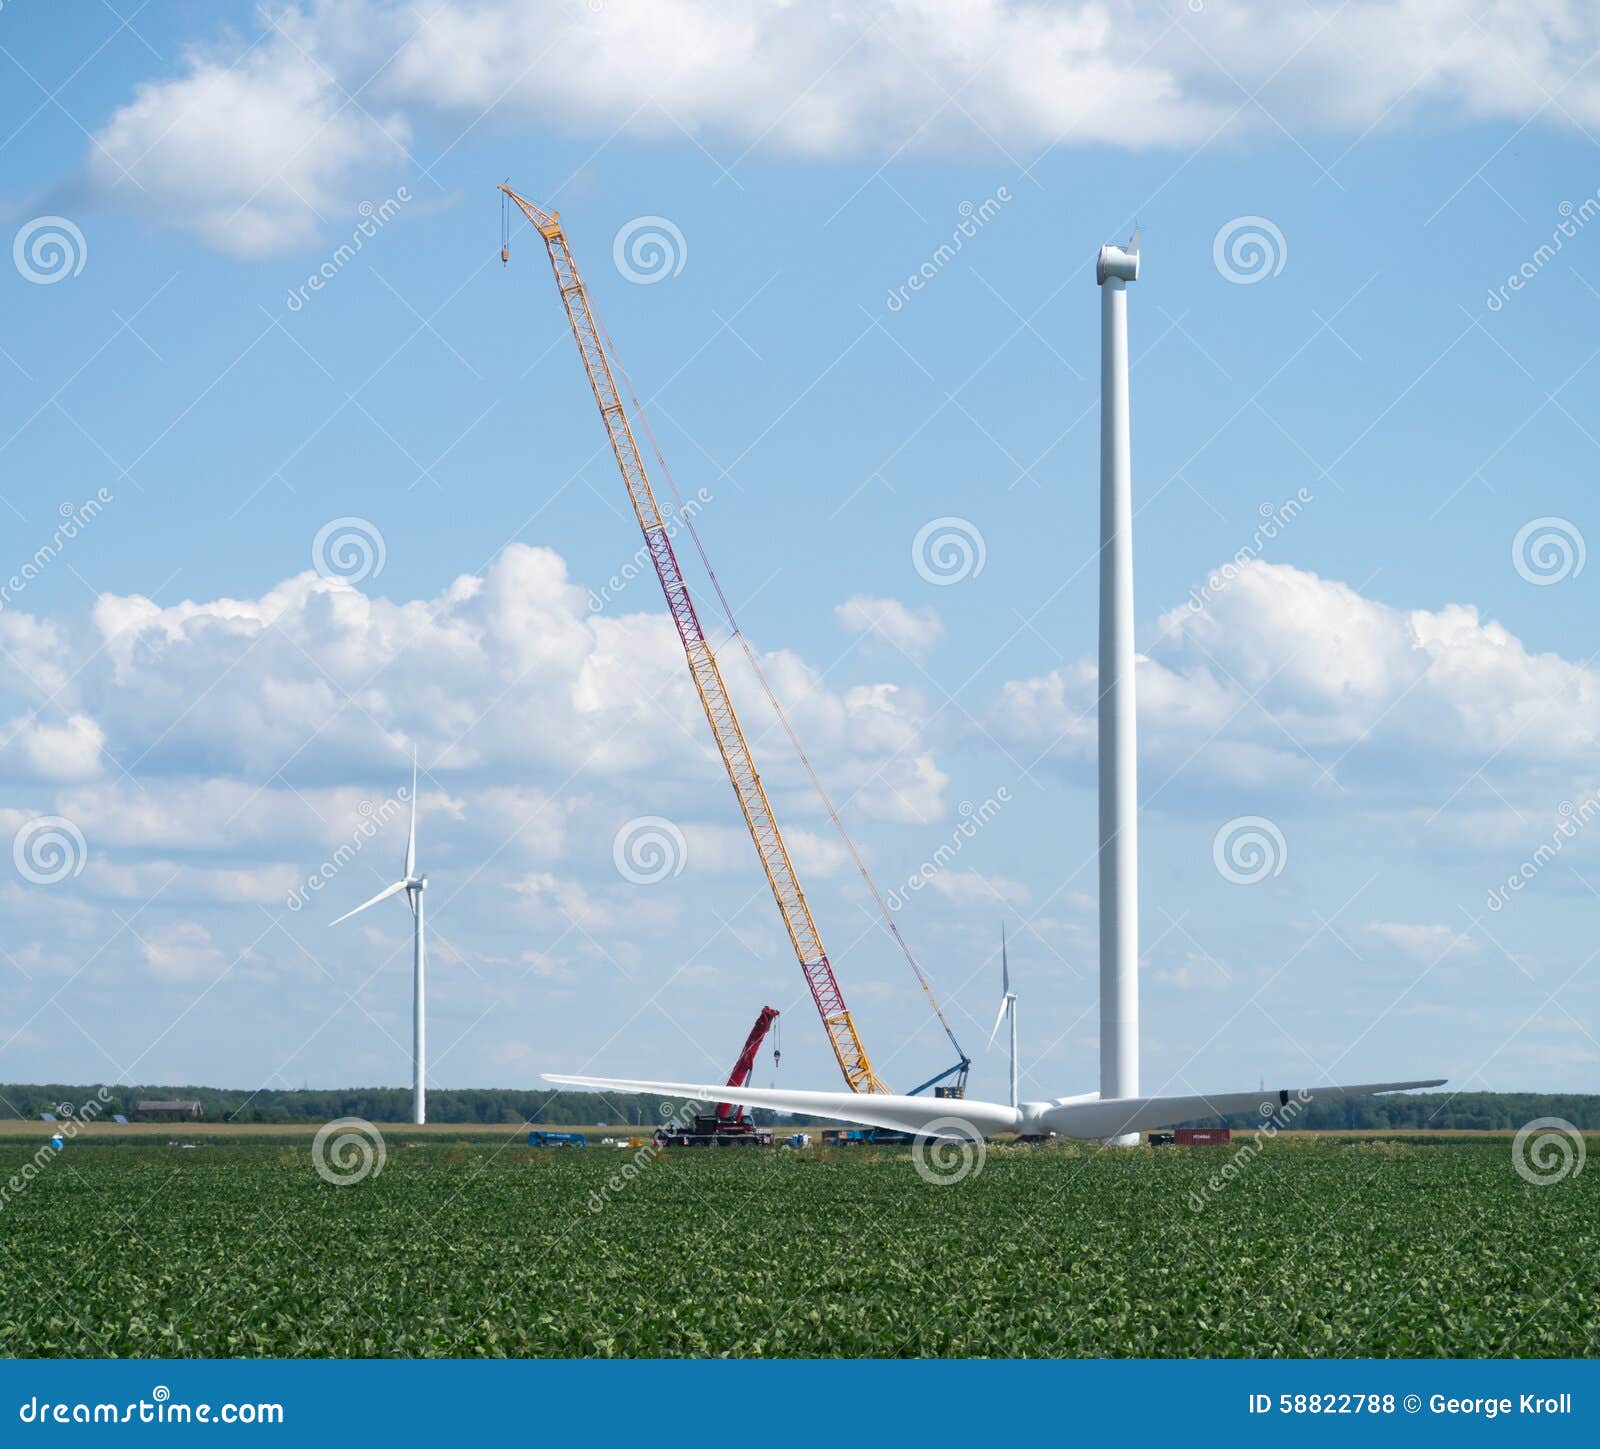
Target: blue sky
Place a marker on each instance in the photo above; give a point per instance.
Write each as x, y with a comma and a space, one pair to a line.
1410, 711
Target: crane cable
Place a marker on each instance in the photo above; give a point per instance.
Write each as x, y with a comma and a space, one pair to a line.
772, 699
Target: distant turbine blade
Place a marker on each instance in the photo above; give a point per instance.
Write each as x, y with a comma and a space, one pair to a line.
382, 895
411, 840
1005, 1004
1005, 969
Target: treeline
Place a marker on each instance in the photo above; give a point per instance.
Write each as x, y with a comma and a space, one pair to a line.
1420, 1112
1440, 1111
484, 1106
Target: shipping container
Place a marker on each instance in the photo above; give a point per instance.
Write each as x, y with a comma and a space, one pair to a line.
1201, 1136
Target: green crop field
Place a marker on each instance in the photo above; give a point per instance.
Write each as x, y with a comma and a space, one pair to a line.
484, 1246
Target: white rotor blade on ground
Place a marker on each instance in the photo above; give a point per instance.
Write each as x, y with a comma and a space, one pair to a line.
382, 895
1113, 1116
1091, 1119
869, 1109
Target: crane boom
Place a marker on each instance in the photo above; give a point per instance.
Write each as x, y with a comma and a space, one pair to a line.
708, 682
747, 1060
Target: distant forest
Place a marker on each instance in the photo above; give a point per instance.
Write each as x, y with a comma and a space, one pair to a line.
483, 1106
1504, 1111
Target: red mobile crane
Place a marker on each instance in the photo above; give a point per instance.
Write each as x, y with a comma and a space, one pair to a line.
729, 1125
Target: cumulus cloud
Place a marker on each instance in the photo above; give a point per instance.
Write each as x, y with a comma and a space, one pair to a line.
320, 679
182, 951
251, 153
246, 150
1427, 943
265, 741
1289, 678
970, 887
912, 631
69, 750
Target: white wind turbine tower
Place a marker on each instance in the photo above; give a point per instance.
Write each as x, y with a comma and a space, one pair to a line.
1007, 1012
413, 885
1118, 742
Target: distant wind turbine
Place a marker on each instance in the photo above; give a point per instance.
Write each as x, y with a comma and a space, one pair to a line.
1007, 1012
413, 885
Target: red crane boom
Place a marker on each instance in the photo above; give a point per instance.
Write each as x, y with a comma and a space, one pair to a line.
729, 1111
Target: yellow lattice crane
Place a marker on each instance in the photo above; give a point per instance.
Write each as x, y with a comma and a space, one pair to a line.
708, 682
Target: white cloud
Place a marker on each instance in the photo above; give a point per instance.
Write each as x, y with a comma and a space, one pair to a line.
215, 814
319, 675
66, 751
34, 653
1285, 675
1429, 943
266, 734
561, 905
177, 882
245, 150
181, 951
912, 631
1197, 972
970, 887
531, 820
